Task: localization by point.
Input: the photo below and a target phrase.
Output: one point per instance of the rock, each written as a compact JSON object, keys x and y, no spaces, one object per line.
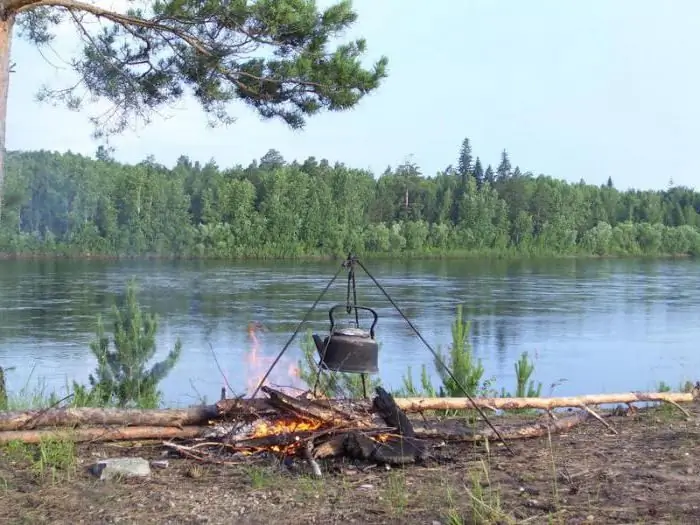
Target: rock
{"x":159,"y":463}
{"x":127,"y":467}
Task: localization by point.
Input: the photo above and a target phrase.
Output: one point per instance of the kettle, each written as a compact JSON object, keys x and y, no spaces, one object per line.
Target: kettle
{"x":349,"y":349}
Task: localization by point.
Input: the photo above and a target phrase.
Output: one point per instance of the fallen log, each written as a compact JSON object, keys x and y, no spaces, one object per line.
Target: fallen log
{"x":422,"y":404}
{"x":96,"y":434}
{"x":539,"y":429}
{"x":73,"y":417}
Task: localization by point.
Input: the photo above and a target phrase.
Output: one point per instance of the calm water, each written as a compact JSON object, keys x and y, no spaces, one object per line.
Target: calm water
{"x":601,"y":326}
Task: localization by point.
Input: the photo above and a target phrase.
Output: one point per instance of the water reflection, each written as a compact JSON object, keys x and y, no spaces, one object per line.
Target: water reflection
{"x":602,"y":324}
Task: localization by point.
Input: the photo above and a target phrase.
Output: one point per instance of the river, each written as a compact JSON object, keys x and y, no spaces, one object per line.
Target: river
{"x":590,"y":325}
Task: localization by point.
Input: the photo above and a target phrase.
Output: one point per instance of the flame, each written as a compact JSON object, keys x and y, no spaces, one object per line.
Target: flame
{"x":284,"y":426}
{"x":258,"y":364}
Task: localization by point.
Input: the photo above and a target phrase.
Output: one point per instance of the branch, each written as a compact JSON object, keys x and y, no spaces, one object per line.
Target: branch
{"x":156,"y":25}
{"x":118,"y":18}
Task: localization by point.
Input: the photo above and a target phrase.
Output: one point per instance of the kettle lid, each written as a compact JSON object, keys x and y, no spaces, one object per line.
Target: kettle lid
{"x":351,"y":331}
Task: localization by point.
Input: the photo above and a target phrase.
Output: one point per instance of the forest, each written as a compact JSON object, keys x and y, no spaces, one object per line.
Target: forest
{"x":73,"y":205}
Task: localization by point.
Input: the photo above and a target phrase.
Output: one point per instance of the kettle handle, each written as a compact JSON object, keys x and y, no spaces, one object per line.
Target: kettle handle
{"x":374,"y":314}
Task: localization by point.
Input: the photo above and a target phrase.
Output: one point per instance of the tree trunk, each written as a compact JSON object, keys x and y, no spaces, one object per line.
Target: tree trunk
{"x":7,"y":21}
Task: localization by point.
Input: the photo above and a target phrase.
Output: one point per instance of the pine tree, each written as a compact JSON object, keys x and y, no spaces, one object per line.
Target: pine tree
{"x":478,"y":173}
{"x":464,"y":165}
{"x":489,"y":175}
{"x":504,"y":168}
{"x":610,"y":182}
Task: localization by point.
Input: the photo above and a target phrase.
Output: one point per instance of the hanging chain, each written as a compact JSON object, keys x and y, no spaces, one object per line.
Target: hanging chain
{"x":350,"y":263}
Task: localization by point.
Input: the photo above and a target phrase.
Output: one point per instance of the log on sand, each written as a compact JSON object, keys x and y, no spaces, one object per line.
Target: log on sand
{"x":96,"y":434}
{"x":421,"y":404}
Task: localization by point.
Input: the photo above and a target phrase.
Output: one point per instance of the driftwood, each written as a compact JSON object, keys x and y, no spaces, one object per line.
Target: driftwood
{"x":96,"y":434}
{"x":421,"y":404}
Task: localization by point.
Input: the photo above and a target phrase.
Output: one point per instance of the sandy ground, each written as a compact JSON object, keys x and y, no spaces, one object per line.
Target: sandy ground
{"x":648,"y":473}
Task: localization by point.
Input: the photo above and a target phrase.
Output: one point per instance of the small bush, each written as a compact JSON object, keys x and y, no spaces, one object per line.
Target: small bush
{"x":122,"y":377}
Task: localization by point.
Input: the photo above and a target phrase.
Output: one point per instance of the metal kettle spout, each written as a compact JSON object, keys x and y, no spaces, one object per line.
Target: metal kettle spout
{"x":319,"y":343}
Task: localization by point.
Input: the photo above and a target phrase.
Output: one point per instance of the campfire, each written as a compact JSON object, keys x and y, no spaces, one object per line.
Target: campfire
{"x":312,"y":429}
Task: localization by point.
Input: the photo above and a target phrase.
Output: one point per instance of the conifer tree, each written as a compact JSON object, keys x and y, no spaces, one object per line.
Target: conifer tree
{"x":464,"y":165}
{"x":504,"y":168}
{"x":478,"y":173}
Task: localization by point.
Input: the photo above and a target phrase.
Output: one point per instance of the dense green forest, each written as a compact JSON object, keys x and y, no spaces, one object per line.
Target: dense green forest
{"x":75,"y":205}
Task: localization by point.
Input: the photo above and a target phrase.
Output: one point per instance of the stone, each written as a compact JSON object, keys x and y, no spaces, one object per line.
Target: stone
{"x":110,"y":468}
{"x":159,"y":463}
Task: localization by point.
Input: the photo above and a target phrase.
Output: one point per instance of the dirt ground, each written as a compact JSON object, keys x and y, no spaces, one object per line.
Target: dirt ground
{"x":648,"y":473}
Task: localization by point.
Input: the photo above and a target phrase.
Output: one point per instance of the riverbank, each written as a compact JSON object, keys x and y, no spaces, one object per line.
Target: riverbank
{"x":647,"y":473}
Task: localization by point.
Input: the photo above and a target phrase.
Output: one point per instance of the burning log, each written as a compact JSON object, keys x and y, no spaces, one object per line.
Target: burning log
{"x":96,"y":434}
{"x":386,"y":406}
{"x":395,"y":449}
{"x":313,"y":410}
{"x":273,"y":441}
{"x":422,"y":404}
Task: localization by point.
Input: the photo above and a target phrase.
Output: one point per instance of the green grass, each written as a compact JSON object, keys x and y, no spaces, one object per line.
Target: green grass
{"x":52,"y":459}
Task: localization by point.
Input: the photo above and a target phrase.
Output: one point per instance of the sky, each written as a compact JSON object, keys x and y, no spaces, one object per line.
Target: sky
{"x":575,"y":90}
